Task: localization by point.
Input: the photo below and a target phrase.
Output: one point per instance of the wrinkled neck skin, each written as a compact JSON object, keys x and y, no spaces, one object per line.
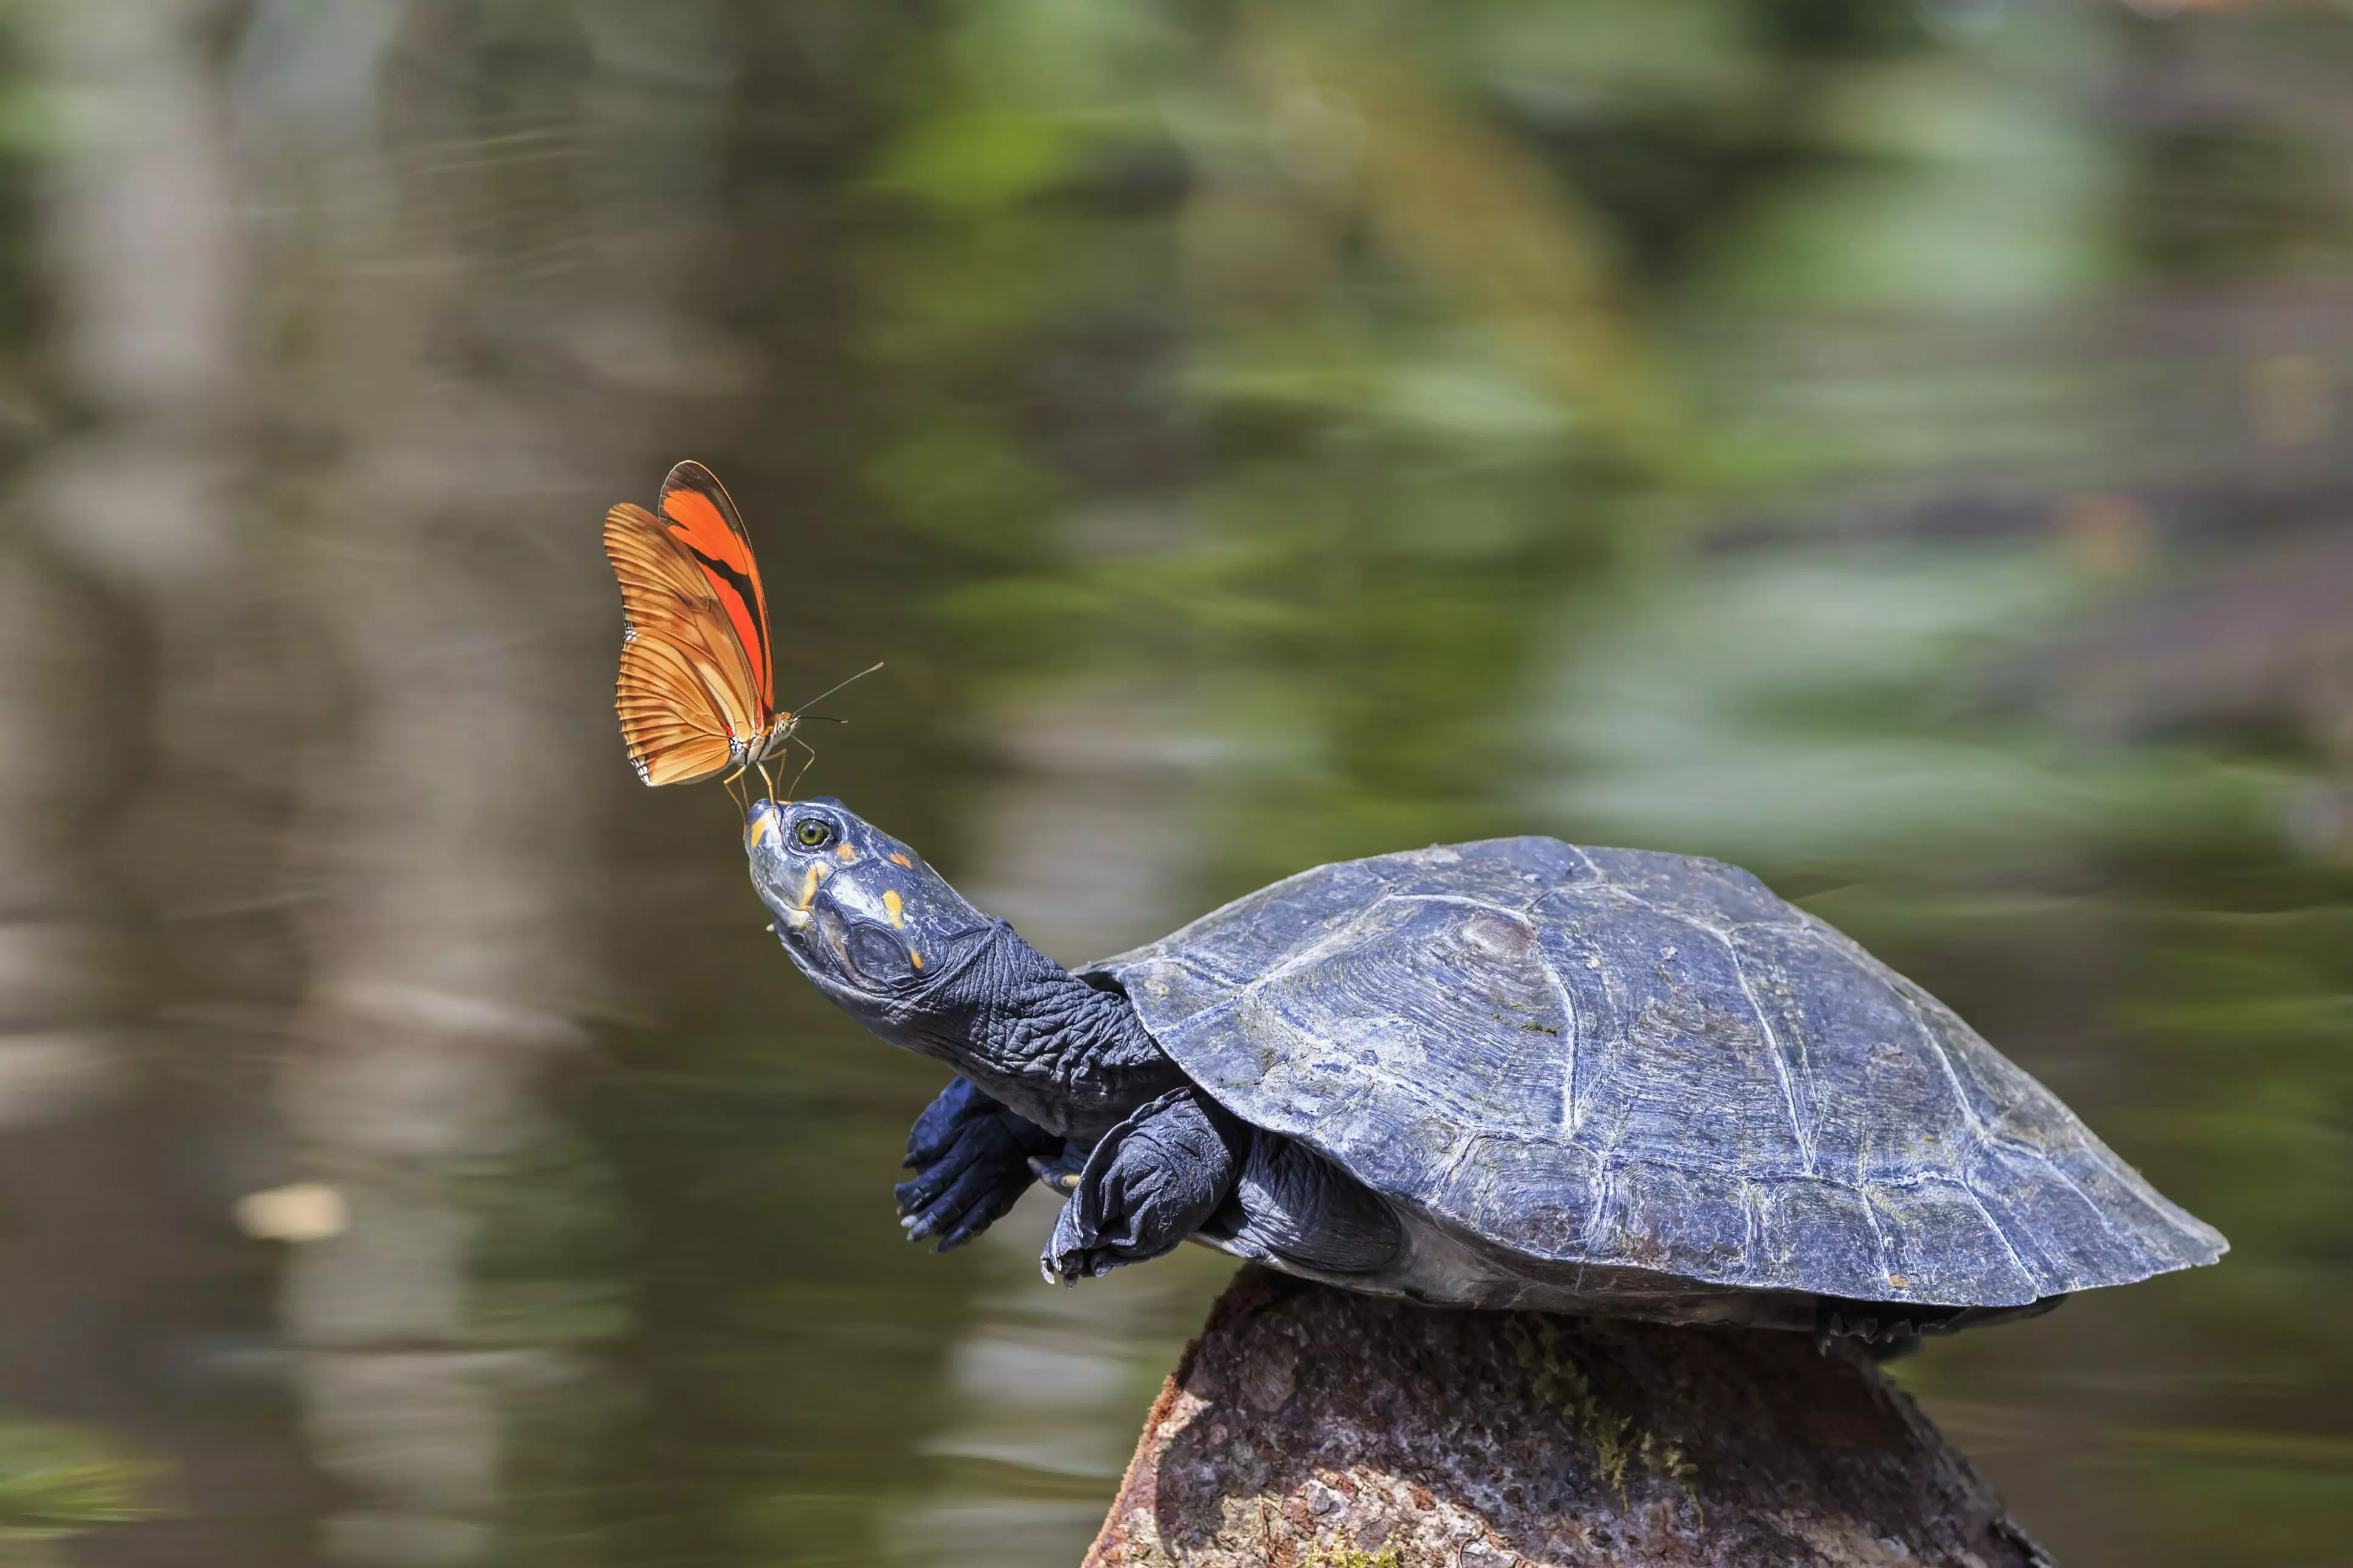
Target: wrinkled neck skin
{"x":1029,"y":1033}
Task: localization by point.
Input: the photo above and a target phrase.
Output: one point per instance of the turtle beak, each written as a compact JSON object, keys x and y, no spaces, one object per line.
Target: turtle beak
{"x":763,"y":843}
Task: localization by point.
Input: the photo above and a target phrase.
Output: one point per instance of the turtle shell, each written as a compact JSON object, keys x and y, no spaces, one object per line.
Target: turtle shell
{"x":1640,"y":1061}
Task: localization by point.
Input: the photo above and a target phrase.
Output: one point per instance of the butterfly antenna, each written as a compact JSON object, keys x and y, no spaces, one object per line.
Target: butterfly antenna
{"x":839,"y":685}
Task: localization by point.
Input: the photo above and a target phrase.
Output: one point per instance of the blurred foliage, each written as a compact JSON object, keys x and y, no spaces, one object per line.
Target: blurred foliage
{"x":1854,"y":704}
{"x":61,"y":1480}
{"x":1394,"y":297}
{"x":34,"y":118}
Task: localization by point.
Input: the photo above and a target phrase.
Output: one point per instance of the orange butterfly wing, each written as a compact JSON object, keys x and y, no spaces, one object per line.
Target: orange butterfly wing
{"x":693,"y":694}
{"x":704,"y":521}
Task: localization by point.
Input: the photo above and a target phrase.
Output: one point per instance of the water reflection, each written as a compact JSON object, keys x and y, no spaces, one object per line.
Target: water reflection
{"x":1904,"y":456}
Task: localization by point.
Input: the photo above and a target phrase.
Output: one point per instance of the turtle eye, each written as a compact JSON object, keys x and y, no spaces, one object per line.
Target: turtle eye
{"x":813,"y":831}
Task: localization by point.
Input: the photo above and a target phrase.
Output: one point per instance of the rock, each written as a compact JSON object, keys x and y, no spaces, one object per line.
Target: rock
{"x":1309,"y":1428}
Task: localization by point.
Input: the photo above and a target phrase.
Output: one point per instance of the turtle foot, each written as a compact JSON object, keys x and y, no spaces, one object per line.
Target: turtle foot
{"x":1891,"y":1330}
{"x":1150,"y":1183}
{"x":971,"y":1159}
{"x":1888,"y":1330}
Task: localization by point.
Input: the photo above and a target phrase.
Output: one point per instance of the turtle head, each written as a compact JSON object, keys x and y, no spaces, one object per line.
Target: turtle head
{"x":887,"y":941}
{"x":860,"y":914}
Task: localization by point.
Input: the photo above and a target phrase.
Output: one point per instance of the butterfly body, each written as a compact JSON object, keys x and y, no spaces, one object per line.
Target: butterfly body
{"x":697,"y":690}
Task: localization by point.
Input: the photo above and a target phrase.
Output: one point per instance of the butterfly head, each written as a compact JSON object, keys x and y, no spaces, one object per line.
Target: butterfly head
{"x":859,"y":913}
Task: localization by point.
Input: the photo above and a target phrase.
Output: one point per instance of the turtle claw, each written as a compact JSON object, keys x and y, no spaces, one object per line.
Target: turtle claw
{"x":1058,"y":1172}
{"x":1066,"y":1257}
{"x":971,"y":1160}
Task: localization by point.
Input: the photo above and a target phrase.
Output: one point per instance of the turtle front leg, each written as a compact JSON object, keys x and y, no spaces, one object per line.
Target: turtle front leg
{"x":972,"y":1158}
{"x":1150,"y":1182}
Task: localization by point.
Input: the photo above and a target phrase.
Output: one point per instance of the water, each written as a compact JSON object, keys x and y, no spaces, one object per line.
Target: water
{"x":1900,"y":452}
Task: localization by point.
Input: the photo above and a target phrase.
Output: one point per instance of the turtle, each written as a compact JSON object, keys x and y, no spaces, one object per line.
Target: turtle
{"x":1509,"y":1074}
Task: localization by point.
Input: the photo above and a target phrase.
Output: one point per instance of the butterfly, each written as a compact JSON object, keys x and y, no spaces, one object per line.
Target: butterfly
{"x":697,"y":695}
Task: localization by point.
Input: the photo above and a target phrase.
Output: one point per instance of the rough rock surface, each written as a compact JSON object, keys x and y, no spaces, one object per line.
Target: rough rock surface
{"x":1309,"y":1428}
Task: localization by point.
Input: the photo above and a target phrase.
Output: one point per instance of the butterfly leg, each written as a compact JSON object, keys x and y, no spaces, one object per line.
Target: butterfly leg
{"x":805,"y":746}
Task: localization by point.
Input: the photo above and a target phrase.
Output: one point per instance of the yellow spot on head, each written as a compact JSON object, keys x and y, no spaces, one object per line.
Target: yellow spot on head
{"x":760,"y":831}
{"x":809,"y":885}
{"x":892,"y":906}
{"x":845,"y":853}
{"x":902,"y":860}
{"x":1900,"y":1281}
{"x":917,"y":957}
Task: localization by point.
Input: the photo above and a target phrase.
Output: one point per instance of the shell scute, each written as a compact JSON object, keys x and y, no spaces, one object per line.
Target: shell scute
{"x":1508,"y":873}
{"x":1844,"y":1037}
{"x":2135,"y":1213}
{"x":1672,"y":1059}
{"x":2057,"y":1232}
{"x":1937,"y":1241}
{"x":1691,"y":886}
{"x":1538,"y":1194}
{"x":1662,"y":1217}
{"x":1814,"y":1233}
{"x":1435,"y":1003}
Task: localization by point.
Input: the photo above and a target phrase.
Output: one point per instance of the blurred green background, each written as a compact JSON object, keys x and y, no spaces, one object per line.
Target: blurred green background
{"x":1901,"y":447}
